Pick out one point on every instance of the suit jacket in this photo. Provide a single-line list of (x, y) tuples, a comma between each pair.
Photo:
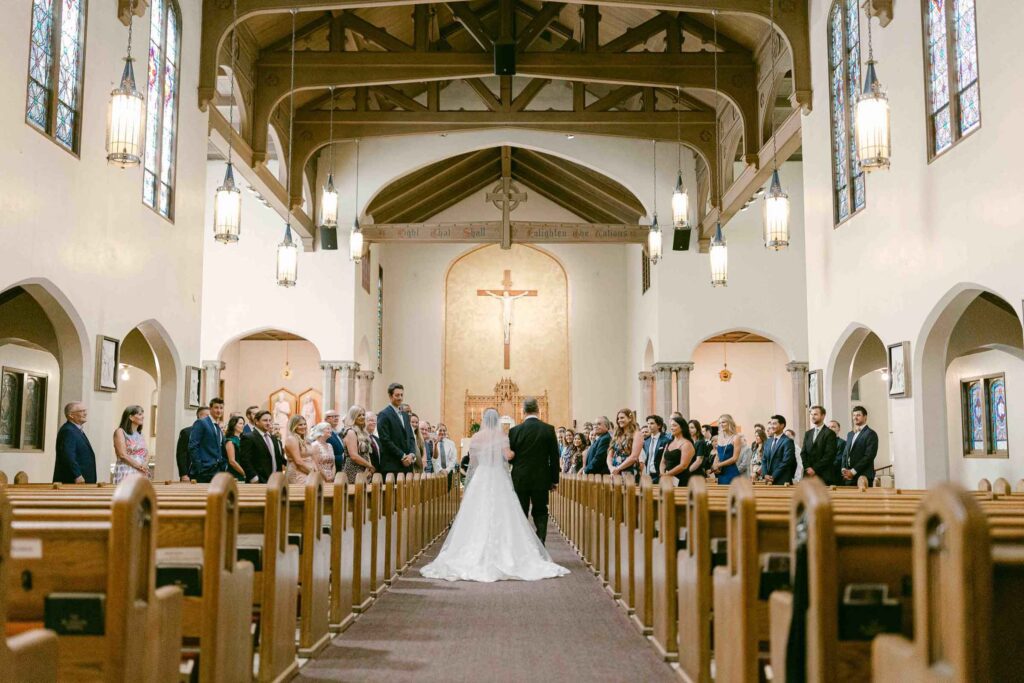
[(860, 454), (375, 452), (428, 456), (204, 449), (256, 459), (840, 455), (780, 459), (181, 452), (820, 454), (597, 456), (653, 467), (535, 466), (396, 440), (338, 447), (75, 457)]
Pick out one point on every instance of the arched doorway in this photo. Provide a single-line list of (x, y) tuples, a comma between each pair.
[(971, 357), (272, 370), (857, 377), (43, 348)]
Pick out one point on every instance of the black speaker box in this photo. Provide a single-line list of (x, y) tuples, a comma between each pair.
[(504, 59), (329, 239), (681, 239)]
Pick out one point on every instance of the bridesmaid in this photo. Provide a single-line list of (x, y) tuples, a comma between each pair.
[(130, 446), (729, 447), (323, 454), (233, 446), (680, 452), (298, 454)]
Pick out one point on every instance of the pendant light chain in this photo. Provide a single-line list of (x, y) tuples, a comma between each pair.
[(330, 133), (654, 186), (291, 122), (357, 181), (679, 133), (718, 133), (871, 48), (771, 37), (231, 82)]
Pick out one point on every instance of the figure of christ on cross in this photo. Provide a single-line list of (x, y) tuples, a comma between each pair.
[(507, 296)]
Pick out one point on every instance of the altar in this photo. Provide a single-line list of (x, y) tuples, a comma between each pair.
[(507, 399)]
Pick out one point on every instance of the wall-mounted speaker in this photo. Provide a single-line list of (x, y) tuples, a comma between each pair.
[(681, 239), (328, 239), (504, 59)]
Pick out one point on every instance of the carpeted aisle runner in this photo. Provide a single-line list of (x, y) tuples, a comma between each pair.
[(565, 629)]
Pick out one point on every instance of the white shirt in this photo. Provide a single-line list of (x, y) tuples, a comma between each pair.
[(451, 455)]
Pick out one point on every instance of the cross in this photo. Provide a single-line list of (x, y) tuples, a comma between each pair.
[(506, 196), (507, 296)]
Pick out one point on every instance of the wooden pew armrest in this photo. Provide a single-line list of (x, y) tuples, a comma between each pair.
[(893, 658), (780, 613), (33, 656), (169, 607)]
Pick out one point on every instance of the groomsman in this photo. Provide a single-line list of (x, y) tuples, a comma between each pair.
[(261, 453), (861, 449), (779, 454), (205, 445), (76, 461), (397, 441), (654, 446), (819, 450)]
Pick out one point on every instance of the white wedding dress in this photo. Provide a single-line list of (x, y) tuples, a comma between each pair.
[(491, 539)]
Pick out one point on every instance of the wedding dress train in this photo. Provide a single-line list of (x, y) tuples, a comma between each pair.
[(491, 539)]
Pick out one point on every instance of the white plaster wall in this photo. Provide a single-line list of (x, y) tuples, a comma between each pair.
[(80, 224), (968, 471), (927, 226), (760, 386), (38, 466), (253, 370)]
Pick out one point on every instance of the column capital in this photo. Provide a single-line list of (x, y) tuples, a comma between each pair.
[(215, 365), (663, 368), (684, 367), (646, 376), (797, 366), (365, 375)]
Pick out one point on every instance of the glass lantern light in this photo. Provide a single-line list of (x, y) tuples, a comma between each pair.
[(776, 215), (719, 257), (287, 259), (125, 117), (874, 146), (654, 246), (227, 209), (355, 243), (680, 204)]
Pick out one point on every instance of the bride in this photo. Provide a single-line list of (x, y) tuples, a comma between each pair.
[(491, 539)]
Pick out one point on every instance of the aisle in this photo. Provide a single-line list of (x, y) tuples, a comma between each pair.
[(565, 629)]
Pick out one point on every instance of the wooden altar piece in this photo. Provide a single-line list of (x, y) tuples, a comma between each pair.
[(507, 399)]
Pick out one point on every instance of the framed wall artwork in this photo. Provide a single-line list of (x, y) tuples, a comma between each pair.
[(152, 421), (815, 388), (108, 355), (193, 387), (899, 370), (282, 405), (310, 403)]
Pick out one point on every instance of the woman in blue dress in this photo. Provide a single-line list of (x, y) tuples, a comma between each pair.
[(729, 447)]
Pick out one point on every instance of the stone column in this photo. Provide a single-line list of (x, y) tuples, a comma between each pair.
[(347, 385), (211, 380), (327, 385), (798, 375), (683, 371), (662, 389), (364, 389), (646, 393)]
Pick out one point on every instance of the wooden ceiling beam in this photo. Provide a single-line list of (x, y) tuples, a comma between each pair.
[(489, 99), (539, 23), (638, 35), (391, 200), (615, 97), (310, 27), (398, 97), (613, 206), (437, 197), (375, 34), (706, 33), (526, 95), (472, 23)]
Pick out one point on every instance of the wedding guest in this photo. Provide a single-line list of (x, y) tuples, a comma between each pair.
[(728, 450), (780, 453), (680, 453), (130, 451), (322, 453), (746, 455), (818, 453), (375, 448), (333, 418), (420, 447), (398, 444), (597, 456), (577, 453), (627, 444), (75, 462), (861, 449), (654, 447), (358, 444), (260, 453), (840, 448), (181, 452), (565, 448), (298, 453), (757, 461), (445, 454), (799, 474), (275, 433), (702, 447), (250, 419), (233, 446), (205, 445), (708, 433)]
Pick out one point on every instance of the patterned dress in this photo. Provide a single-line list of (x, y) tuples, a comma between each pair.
[(323, 456), (352, 468), (135, 449), (306, 455)]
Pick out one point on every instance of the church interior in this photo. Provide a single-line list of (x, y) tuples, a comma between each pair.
[(726, 210)]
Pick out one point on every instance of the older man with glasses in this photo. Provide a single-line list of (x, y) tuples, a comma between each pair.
[(76, 461)]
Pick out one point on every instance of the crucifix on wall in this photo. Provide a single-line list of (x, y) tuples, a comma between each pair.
[(506, 195), (507, 297)]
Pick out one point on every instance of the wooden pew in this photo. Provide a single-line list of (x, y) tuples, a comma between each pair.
[(32, 654), (314, 569), (112, 555), (643, 552)]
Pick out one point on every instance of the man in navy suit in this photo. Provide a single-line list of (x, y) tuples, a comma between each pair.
[(76, 462), (250, 419), (597, 456), (397, 442), (779, 454), (205, 445), (654, 447), (861, 449), (333, 418)]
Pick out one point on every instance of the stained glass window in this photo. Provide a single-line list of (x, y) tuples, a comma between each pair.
[(22, 410), (380, 319), (985, 416), (997, 413), (951, 46), (161, 107), (844, 84), (55, 69)]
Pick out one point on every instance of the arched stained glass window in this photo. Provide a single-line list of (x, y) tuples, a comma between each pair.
[(56, 47), (162, 107), (848, 190), (951, 50), (997, 413), (985, 417)]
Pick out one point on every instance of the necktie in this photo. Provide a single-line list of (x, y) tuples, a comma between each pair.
[(270, 446), (444, 461)]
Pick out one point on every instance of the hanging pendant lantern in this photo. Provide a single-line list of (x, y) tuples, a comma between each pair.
[(654, 249), (776, 216), (227, 209), (329, 204), (355, 243), (719, 257), (873, 130), (680, 204), (287, 259), (126, 117)]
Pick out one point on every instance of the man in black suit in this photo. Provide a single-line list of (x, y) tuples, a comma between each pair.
[(779, 454), (597, 456), (534, 465), (397, 442), (840, 448), (861, 449), (819, 450), (371, 429), (76, 461), (260, 452), (181, 452)]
